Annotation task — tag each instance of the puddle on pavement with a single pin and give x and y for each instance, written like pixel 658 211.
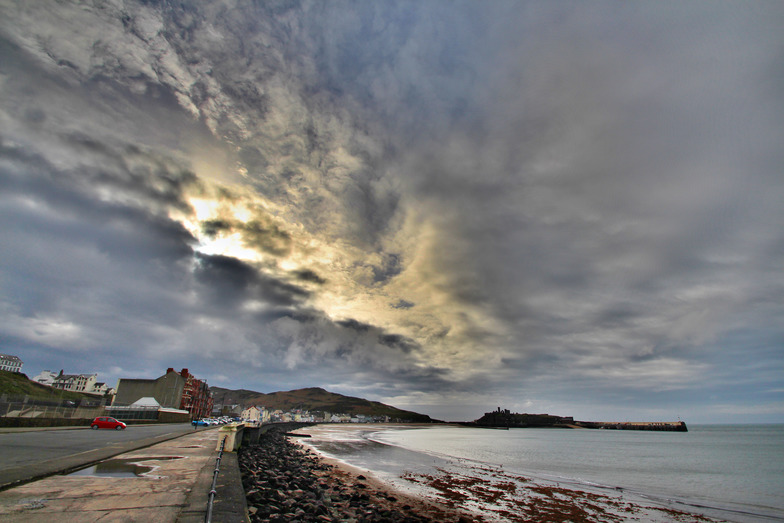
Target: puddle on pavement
pixel 32 504
pixel 122 468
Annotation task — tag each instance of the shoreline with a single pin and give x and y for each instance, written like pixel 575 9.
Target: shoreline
pixel 484 492
pixel 394 498
pixel 285 480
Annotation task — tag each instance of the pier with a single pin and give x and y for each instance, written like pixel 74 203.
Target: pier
pixel 667 426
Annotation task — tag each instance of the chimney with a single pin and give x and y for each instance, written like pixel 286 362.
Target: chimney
pixel 184 373
pixel 169 370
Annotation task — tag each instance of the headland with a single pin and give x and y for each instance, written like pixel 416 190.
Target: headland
pixel 503 418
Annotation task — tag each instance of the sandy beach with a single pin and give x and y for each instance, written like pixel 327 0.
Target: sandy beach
pixel 479 492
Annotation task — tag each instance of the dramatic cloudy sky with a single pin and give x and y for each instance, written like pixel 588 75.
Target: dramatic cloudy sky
pixel 574 208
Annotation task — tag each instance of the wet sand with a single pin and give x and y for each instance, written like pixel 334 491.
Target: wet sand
pixel 480 492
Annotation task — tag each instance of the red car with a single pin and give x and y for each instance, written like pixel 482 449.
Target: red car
pixel 105 422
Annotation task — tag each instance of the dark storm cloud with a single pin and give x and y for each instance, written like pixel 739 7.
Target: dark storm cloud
pixel 355 325
pixel 309 276
pixel 394 341
pixel 359 356
pixel 266 236
pixel 399 342
pixel 72 195
pixel 260 233
pixel 391 267
pixel 79 273
pixel 213 228
pixel 403 304
pixel 232 281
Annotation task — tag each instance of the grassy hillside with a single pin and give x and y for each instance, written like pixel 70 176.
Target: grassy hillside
pixel 315 399
pixel 14 385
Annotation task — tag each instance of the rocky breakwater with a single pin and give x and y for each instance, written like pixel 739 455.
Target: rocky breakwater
pixel 286 482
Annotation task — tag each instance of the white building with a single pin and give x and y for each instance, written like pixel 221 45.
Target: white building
pixel 10 363
pixel 79 383
pixel 302 417
pixel 46 377
pixel 253 413
pixel 74 382
pixel 147 401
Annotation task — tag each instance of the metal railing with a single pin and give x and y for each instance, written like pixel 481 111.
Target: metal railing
pixel 211 498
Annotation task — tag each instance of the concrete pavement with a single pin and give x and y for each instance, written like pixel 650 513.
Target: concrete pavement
pixel 27 456
pixel 175 490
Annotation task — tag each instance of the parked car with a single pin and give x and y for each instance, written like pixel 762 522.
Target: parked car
pixel 105 422
pixel 201 422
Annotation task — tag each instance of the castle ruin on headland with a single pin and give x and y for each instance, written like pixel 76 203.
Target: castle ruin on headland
pixel 503 418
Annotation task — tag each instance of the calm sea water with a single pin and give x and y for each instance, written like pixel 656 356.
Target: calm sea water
pixel 734 472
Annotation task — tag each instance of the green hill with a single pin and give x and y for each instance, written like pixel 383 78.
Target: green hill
pixel 15 385
pixel 315 399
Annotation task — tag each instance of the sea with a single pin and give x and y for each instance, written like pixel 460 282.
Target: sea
pixel 723 472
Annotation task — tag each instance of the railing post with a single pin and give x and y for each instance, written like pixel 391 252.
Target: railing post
pixel 233 432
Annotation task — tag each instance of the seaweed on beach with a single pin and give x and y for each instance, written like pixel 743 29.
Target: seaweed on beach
pixel 516 499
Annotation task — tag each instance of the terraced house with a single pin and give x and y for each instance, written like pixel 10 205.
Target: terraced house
pixel 76 382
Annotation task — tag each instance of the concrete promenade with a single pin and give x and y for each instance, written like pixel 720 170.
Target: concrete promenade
pixel 174 490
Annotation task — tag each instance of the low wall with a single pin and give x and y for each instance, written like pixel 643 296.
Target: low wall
pixel 250 435
pixel 44 422
pixel 85 420
pixel 173 417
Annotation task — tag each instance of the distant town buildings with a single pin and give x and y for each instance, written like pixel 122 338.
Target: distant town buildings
pixel 231 410
pixel 261 414
pixel 177 390
pixel 253 414
pixel 10 363
pixel 300 415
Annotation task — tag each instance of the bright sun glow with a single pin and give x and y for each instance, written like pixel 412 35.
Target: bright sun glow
pixel 226 244
pixel 342 295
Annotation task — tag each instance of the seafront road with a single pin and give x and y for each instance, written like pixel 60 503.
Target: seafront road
pixel 30 454
pixel 173 489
